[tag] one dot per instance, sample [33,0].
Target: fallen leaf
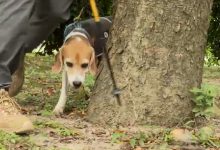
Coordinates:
[50,91]
[182,135]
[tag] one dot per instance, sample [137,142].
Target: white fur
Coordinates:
[58,110]
[67,79]
[74,78]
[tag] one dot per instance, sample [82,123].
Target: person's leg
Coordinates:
[44,19]
[13,24]
[18,33]
[47,15]
[22,28]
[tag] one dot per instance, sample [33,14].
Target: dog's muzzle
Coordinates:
[77,84]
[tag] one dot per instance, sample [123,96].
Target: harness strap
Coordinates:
[81,32]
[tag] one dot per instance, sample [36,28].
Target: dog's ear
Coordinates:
[57,66]
[92,63]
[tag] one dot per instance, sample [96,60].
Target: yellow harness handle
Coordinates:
[94,10]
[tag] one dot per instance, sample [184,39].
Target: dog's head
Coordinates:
[76,57]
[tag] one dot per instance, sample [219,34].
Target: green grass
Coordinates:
[60,129]
[40,94]
[204,100]
[14,141]
[211,72]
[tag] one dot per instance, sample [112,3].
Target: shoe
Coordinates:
[11,118]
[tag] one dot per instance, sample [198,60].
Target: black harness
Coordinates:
[96,32]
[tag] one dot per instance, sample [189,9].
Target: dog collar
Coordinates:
[78,31]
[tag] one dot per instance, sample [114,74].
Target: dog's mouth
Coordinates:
[77,87]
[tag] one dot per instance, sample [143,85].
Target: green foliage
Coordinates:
[13,141]
[204,134]
[47,124]
[138,140]
[133,142]
[204,100]
[214,29]
[206,137]
[89,83]
[59,128]
[210,59]
[46,113]
[212,72]
[6,139]
[81,104]
[167,136]
[65,132]
[117,136]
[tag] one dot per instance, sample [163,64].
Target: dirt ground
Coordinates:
[72,132]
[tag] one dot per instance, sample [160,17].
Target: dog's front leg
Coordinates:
[58,110]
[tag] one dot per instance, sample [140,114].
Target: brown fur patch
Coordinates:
[77,58]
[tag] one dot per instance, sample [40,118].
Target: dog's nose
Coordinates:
[77,84]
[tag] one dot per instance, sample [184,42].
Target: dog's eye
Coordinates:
[85,65]
[69,64]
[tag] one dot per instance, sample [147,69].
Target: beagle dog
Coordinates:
[83,43]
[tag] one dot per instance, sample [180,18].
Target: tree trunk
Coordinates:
[157,51]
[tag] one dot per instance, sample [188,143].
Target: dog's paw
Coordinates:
[58,111]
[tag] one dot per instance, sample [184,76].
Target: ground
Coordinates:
[72,132]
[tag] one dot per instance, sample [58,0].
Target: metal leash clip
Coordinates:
[116,91]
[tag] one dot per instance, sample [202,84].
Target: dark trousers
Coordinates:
[24,24]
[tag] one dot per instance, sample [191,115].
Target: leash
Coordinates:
[116,91]
[94,10]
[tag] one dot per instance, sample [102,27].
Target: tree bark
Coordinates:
[156,49]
